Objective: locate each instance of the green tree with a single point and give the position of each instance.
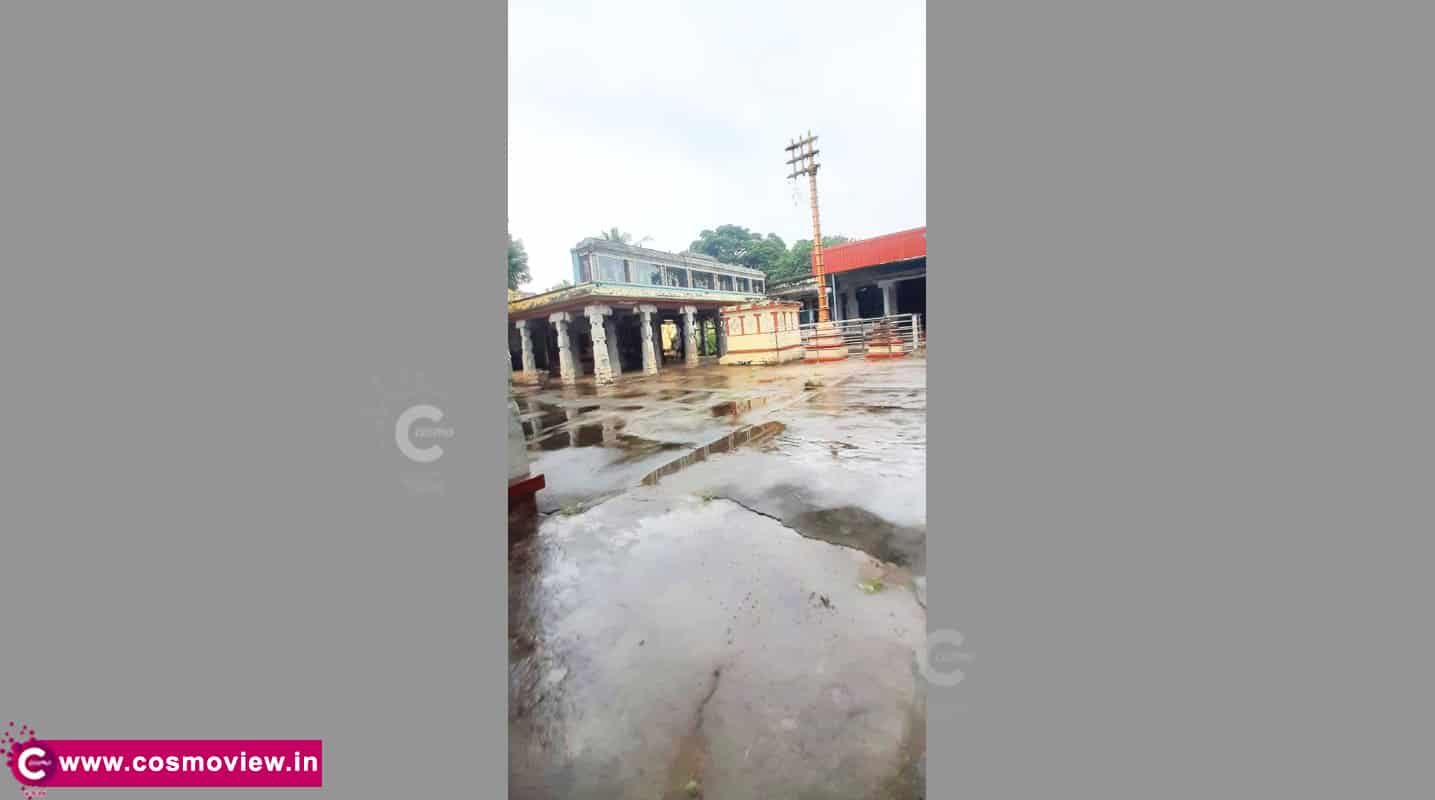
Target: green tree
(517, 263)
(563, 284)
(799, 259)
(734, 244)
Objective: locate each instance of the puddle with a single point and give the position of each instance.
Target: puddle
(553, 441)
(853, 526)
(605, 434)
(581, 436)
(536, 425)
(587, 435)
(544, 418)
(636, 448)
(750, 434)
(630, 408)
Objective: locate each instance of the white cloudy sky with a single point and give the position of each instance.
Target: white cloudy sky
(664, 118)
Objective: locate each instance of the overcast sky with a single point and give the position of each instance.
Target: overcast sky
(665, 118)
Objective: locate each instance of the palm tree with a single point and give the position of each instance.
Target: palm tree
(615, 235)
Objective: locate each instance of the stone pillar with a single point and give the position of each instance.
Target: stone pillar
(650, 358)
(849, 306)
(889, 297)
(602, 367)
(615, 360)
(567, 367)
(721, 335)
(530, 366)
(690, 335)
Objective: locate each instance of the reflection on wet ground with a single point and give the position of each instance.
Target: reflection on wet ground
(586, 435)
(745, 622)
(676, 411)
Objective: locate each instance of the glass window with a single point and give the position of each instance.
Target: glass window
(703, 280)
(742, 284)
(757, 286)
(677, 277)
(725, 282)
(644, 272)
(585, 269)
(610, 269)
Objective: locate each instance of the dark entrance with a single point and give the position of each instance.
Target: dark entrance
(912, 297)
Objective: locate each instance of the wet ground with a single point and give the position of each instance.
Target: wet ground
(745, 624)
(589, 441)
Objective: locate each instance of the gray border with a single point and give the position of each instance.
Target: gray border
(1181, 398)
(1182, 378)
(224, 227)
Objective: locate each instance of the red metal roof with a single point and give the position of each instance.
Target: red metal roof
(885, 249)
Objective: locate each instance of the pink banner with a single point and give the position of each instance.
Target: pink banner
(161, 763)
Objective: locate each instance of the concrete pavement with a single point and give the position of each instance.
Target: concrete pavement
(748, 625)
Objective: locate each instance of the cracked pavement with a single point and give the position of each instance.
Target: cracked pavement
(709, 630)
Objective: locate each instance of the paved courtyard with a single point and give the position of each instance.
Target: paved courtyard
(745, 623)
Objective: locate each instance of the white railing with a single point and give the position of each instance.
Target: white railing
(855, 331)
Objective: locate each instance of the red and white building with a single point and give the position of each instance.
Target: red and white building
(877, 277)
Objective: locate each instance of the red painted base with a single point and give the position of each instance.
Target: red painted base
(825, 345)
(523, 489)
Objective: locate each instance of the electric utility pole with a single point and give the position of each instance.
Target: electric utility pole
(804, 162)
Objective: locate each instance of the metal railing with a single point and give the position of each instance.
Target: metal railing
(908, 328)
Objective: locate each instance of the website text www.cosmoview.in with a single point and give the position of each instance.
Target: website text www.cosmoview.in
(168, 763)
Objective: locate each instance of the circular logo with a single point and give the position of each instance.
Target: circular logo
(944, 675)
(33, 763)
(407, 433)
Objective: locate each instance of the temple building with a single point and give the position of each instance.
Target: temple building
(878, 277)
(631, 309)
